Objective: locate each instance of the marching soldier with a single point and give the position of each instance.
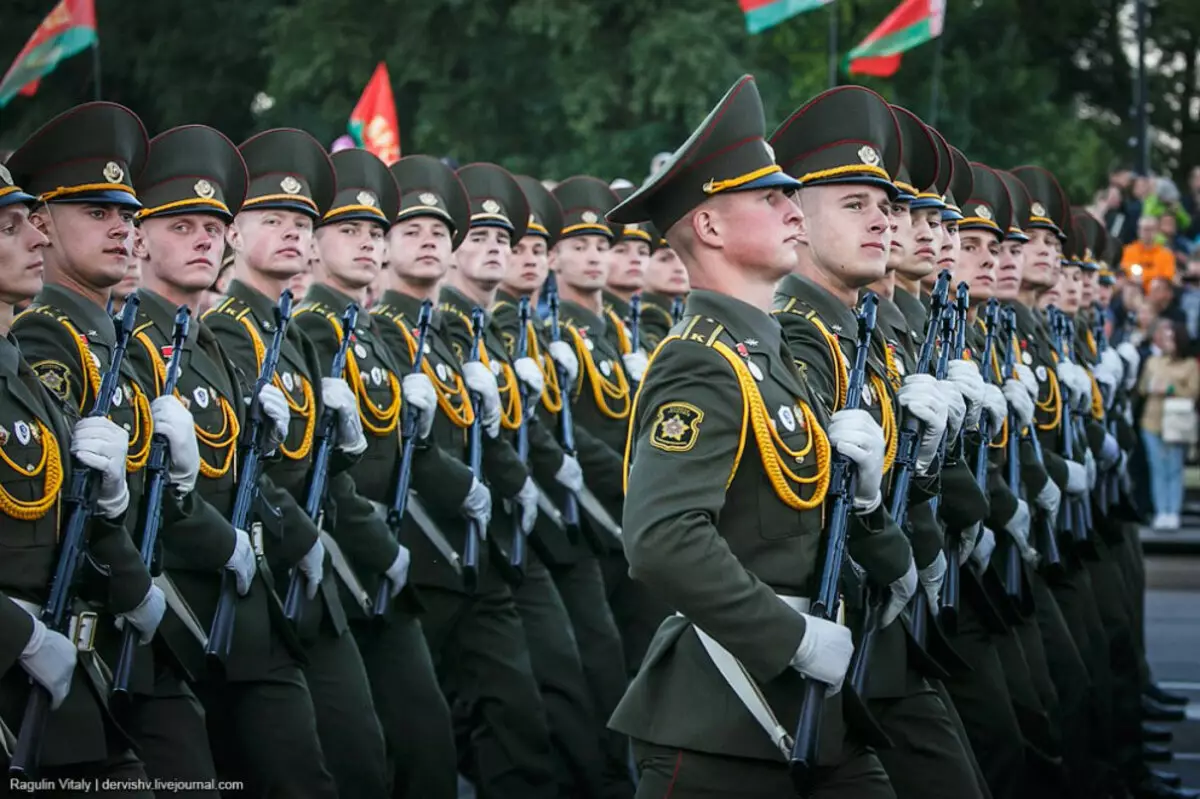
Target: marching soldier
(629, 257)
(666, 288)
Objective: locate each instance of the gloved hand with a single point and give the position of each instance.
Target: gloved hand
(635, 365)
(824, 652)
(1084, 378)
(419, 394)
(176, 424)
(931, 578)
(1018, 526)
(1019, 403)
(1133, 362)
(570, 474)
(478, 505)
(984, 547)
(956, 408)
(49, 658)
(967, 541)
(1049, 499)
(1076, 383)
(481, 381)
(531, 375)
(312, 566)
(527, 499)
(397, 573)
(146, 617)
(102, 445)
(1089, 463)
(919, 395)
(965, 375)
(274, 405)
(995, 404)
(337, 395)
(1110, 452)
(902, 590)
(564, 356)
(242, 562)
(857, 436)
(1077, 481)
(1028, 379)
(1110, 374)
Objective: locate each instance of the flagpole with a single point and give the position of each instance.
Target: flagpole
(96, 67)
(937, 80)
(833, 44)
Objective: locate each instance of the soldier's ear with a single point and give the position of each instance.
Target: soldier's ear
(233, 236)
(803, 216)
(139, 244)
(705, 226)
(40, 218)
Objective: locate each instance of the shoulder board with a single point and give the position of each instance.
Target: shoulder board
(502, 304)
(702, 330)
(46, 310)
(453, 313)
(230, 306)
(142, 328)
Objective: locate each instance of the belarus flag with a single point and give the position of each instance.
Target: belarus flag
(762, 14)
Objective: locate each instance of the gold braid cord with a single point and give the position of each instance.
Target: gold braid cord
(552, 392)
(383, 418)
(623, 344)
(1053, 403)
(306, 410)
(50, 465)
(463, 415)
(887, 421)
(510, 414)
(602, 388)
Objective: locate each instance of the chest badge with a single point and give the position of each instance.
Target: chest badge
(1026, 358)
(787, 418)
(21, 428)
(496, 368)
(1041, 374)
(377, 375)
(755, 370)
(591, 345)
(676, 427)
(118, 398)
(442, 372)
(868, 396)
(3, 435)
(288, 381)
(201, 396)
(360, 350)
(606, 368)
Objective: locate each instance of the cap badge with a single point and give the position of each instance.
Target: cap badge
(1037, 209)
(5, 175)
(113, 172)
(983, 212)
(366, 198)
(290, 185)
(491, 206)
(868, 155)
(589, 217)
(204, 189)
(532, 219)
(428, 198)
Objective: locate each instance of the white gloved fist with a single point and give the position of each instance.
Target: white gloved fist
(570, 474)
(1110, 452)
(984, 547)
(564, 357)
(1077, 383)
(902, 590)
(146, 617)
(1110, 374)
(49, 658)
(635, 365)
(478, 505)
(967, 540)
(337, 394)
(275, 406)
(956, 408)
(419, 394)
(482, 382)
(931, 578)
(920, 396)
(857, 436)
(1018, 525)
(1028, 380)
(312, 566)
(397, 573)
(1089, 463)
(995, 404)
(1019, 402)
(531, 375)
(1077, 480)
(242, 562)
(1049, 499)
(965, 376)
(824, 652)
(102, 445)
(1133, 362)
(527, 499)
(175, 423)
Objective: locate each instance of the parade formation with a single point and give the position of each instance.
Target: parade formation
(797, 470)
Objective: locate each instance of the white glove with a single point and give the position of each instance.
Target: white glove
(481, 381)
(275, 406)
(919, 395)
(312, 566)
(995, 404)
(242, 562)
(570, 474)
(1049, 499)
(635, 365)
(146, 617)
(858, 437)
(527, 499)
(49, 658)
(956, 408)
(531, 375)
(1028, 380)
(1077, 481)
(931, 578)
(564, 355)
(1079, 387)
(418, 392)
(1089, 463)
(397, 573)
(1018, 525)
(1019, 402)
(1110, 452)
(902, 591)
(824, 652)
(965, 376)
(1129, 355)
(337, 395)
(103, 445)
(173, 421)
(1110, 374)
(1084, 379)
(984, 547)
(478, 505)
(967, 541)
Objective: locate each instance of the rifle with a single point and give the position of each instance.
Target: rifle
(80, 502)
(470, 560)
(842, 481)
(253, 446)
(1071, 518)
(676, 310)
(635, 322)
(1110, 488)
(516, 558)
(150, 511)
(566, 426)
(408, 431)
(951, 585)
(1079, 426)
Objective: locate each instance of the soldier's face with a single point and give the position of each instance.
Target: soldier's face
(1071, 288)
(582, 262)
(22, 259)
(1087, 286)
(848, 230)
(977, 262)
(527, 266)
(483, 257)
(902, 243)
(420, 249)
(1041, 258)
(351, 252)
(629, 260)
(949, 251)
(1009, 269)
(1104, 294)
(1053, 294)
(926, 238)
(90, 243)
(667, 274)
(273, 241)
(183, 251)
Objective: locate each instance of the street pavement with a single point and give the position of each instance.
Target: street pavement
(1173, 647)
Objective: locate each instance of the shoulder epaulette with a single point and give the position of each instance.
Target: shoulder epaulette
(701, 329)
(230, 306)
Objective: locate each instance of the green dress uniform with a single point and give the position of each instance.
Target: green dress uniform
(290, 171)
(412, 711)
(68, 340)
(723, 528)
(476, 640)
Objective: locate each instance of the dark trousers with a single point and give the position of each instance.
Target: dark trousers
(171, 736)
(637, 612)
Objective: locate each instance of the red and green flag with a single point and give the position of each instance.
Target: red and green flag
(913, 22)
(373, 121)
(69, 28)
(763, 14)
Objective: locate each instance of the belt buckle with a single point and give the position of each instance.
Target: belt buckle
(256, 538)
(82, 631)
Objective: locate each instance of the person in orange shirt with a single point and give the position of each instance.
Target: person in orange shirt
(1146, 259)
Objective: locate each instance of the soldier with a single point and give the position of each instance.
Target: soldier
(351, 243)
(629, 258)
(722, 528)
(291, 186)
(666, 288)
(81, 740)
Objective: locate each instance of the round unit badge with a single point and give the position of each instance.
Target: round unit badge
(288, 381)
(201, 396)
(360, 350)
(787, 418)
(21, 428)
(606, 367)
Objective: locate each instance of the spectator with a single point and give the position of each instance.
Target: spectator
(1189, 296)
(1170, 383)
(1146, 258)
(1170, 237)
(1191, 202)
(1123, 209)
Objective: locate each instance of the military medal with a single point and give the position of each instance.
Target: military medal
(754, 370)
(201, 395)
(3, 435)
(128, 392)
(377, 375)
(360, 350)
(587, 342)
(787, 418)
(1026, 358)
(1041, 374)
(288, 381)
(442, 372)
(21, 428)
(116, 398)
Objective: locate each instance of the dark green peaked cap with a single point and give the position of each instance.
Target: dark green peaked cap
(430, 188)
(919, 158)
(961, 183)
(945, 173)
(89, 153)
(988, 206)
(1048, 206)
(289, 170)
(192, 169)
(585, 201)
(496, 198)
(1072, 243)
(11, 193)
(366, 189)
(1019, 196)
(545, 214)
(1093, 239)
(727, 152)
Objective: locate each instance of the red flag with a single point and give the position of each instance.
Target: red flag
(69, 28)
(373, 121)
